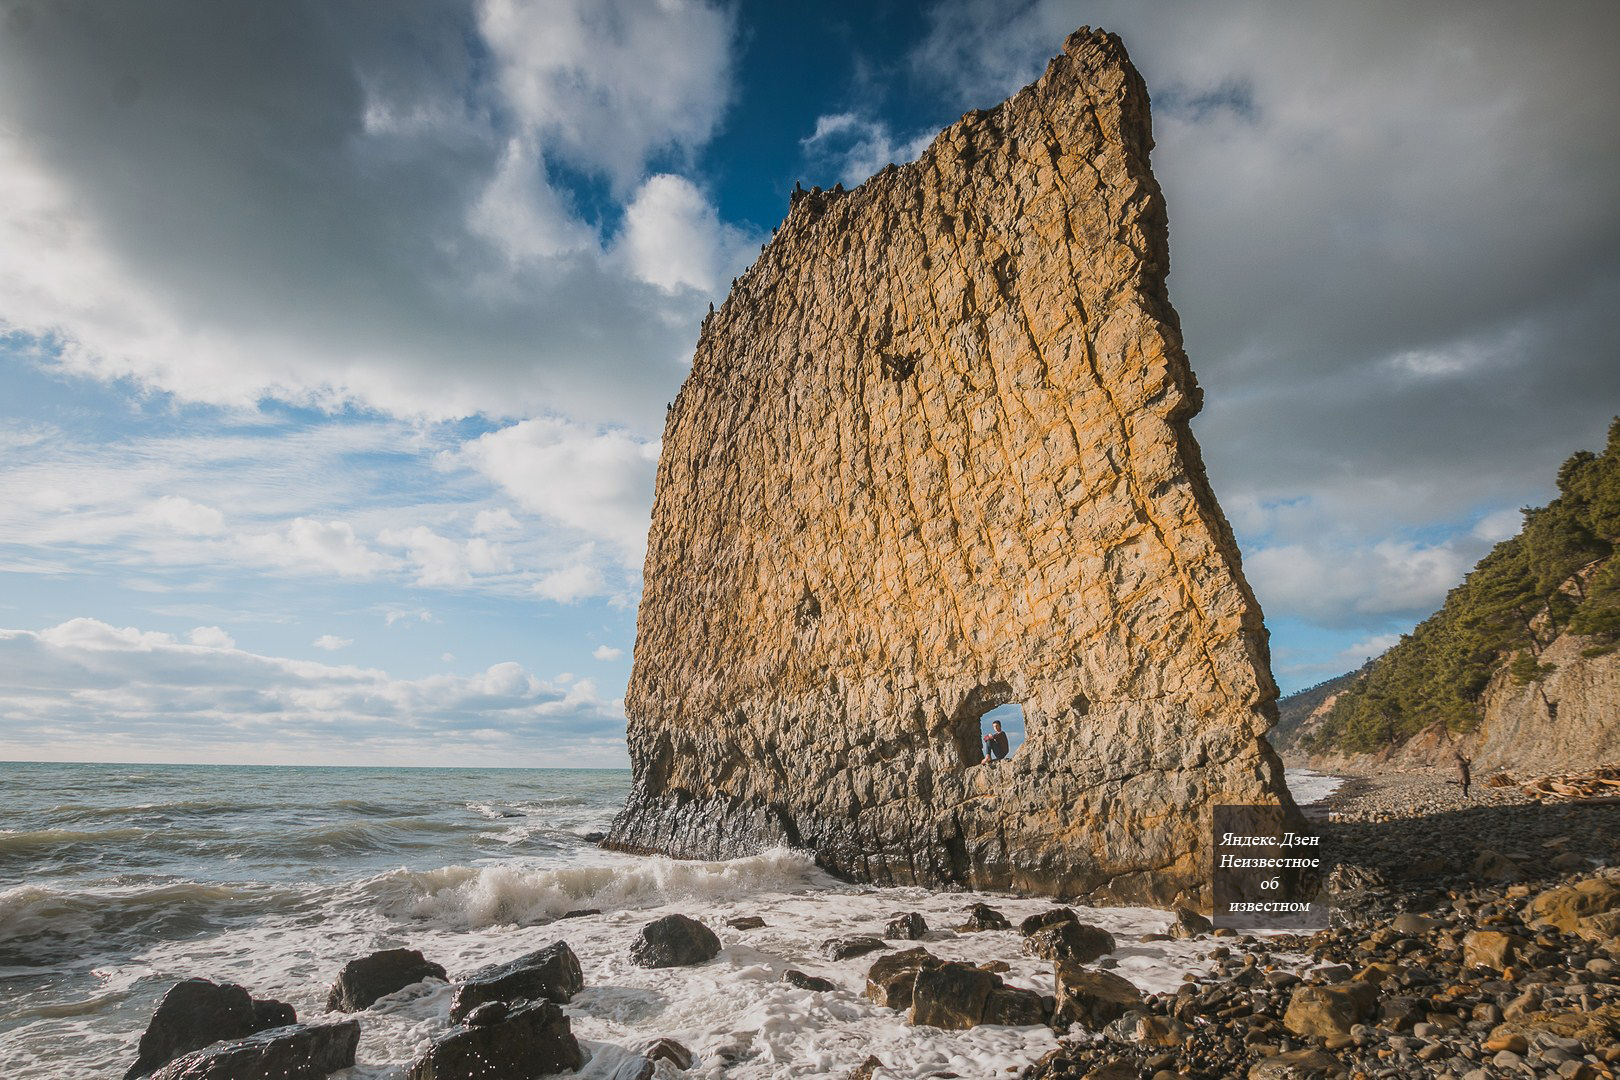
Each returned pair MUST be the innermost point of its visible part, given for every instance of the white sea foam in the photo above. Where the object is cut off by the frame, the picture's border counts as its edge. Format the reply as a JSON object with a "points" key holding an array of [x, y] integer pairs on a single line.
{"points": [[94, 950], [1309, 786], [508, 893], [734, 1012]]}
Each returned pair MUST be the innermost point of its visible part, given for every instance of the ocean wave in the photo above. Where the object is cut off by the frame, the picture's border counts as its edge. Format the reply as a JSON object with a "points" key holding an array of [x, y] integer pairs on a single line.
{"points": [[180, 808], [55, 840], [41, 924], [350, 838], [465, 897], [366, 808]]}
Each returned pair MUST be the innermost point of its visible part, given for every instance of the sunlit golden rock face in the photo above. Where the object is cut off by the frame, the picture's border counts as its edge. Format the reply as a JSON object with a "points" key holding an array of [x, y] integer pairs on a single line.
{"points": [[933, 457]]}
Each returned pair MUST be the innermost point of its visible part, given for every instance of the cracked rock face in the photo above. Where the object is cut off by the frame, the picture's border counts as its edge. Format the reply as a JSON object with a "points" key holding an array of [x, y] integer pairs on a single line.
{"points": [[932, 458]]}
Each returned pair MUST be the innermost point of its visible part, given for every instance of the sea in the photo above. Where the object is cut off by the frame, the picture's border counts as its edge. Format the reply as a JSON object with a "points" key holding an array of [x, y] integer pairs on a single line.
{"points": [[116, 881]]}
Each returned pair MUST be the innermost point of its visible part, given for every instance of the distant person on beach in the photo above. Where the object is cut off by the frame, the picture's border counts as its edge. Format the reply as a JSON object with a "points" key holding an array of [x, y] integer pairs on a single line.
{"points": [[995, 743], [1464, 774]]}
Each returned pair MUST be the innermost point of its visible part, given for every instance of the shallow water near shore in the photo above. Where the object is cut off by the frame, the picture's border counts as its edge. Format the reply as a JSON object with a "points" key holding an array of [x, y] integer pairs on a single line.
{"points": [[118, 880]]}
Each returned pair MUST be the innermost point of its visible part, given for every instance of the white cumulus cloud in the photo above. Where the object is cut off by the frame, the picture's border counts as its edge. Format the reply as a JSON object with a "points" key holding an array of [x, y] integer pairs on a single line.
{"points": [[571, 584], [211, 637], [598, 482], [673, 238]]}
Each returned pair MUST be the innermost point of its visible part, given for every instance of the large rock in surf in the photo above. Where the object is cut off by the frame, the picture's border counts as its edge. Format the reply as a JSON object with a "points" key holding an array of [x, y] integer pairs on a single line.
{"points": [[300, 1052], [674, 941], [933, 457], [530, 1041], [548, 974], [890, 981], [1070, 940], [363, 981], [1092, 998], [196, 1013]]}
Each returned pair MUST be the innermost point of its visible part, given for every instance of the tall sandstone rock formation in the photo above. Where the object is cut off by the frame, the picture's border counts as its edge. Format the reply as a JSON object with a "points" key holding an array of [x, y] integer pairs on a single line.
{"points": [[932, 458]]}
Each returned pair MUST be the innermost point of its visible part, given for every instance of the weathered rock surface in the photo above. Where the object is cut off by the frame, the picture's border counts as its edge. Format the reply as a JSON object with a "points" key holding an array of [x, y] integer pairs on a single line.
{"points": [[669, 1050], [1047, 918], [1092, 998], [845, 948], [983, 917], [794, 977], [195, 1013], [1330, 1010], [363, 981], [951, 996], [1189, 924], [530, 1041], [300, 1052], [548, 974], [907, 926], [933, 457], [890, 981], [1075, 942], [674, 941], [1570, 906]]}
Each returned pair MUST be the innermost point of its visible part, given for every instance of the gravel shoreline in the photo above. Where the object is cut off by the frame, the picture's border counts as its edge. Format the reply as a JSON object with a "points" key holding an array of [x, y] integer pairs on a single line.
{"points": [[1474, 937]]}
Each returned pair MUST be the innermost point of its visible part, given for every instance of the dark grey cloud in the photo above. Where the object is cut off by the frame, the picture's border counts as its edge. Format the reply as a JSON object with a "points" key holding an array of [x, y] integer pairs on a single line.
{"points": [[325, 201]]}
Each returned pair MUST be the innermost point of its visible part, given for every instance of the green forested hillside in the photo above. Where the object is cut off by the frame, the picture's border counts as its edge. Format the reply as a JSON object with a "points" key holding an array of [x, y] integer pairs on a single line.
{"points": [[1558, 575]]}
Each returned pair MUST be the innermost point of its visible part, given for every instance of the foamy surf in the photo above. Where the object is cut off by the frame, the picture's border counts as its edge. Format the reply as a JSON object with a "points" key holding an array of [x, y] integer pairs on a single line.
{"points": [[1310, 787], [88, 945], [469, 898]]}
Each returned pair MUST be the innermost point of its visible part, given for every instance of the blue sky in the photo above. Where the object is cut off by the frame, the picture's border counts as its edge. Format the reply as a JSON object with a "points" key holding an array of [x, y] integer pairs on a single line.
{"points": [[334, 341]]}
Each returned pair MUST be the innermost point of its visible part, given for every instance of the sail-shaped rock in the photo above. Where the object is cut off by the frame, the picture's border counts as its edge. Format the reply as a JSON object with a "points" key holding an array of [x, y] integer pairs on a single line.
{"points": [[933, 457]]}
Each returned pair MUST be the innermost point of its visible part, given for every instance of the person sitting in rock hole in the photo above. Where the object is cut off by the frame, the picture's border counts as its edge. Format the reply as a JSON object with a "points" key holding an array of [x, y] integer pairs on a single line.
{"points": [[995, 743]]}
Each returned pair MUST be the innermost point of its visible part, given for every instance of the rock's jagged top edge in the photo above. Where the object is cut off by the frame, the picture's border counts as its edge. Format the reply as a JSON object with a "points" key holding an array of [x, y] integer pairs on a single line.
{"points": [[1074, 50]]}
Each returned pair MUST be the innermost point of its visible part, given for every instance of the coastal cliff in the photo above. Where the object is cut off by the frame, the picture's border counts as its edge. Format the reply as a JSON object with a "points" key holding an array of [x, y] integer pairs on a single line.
{"points": [[1567, 719], [932, 458], [1519, 670]]}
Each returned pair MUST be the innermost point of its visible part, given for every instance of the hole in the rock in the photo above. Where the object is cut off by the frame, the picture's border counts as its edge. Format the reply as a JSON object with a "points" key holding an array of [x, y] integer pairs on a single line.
{"points": [[1003, 720]]}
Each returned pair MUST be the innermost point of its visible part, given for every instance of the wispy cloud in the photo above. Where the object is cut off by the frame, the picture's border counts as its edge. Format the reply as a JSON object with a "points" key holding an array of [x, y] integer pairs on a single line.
{"points": [[858, 146]]}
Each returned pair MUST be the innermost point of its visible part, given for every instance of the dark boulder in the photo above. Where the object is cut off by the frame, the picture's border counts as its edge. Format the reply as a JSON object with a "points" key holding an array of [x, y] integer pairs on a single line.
{"points": [[1092, 998], [532, 1040], [747, 922], [847, 947], [889, 982], [300, 1052], [196, 1013], [668, 1050], [363, 981], [1047, 918], [909, 926], [273, 1014], [490, 1012], [674, 941], [1015, 1007], [808, 982], [548, 974], [1072, 941], [951, 996], [1189, 924], [984, 917]]}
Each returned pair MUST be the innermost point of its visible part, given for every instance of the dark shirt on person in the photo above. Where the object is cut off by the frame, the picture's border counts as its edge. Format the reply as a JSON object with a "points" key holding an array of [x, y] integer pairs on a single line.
{"points": [[995, 744]]}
